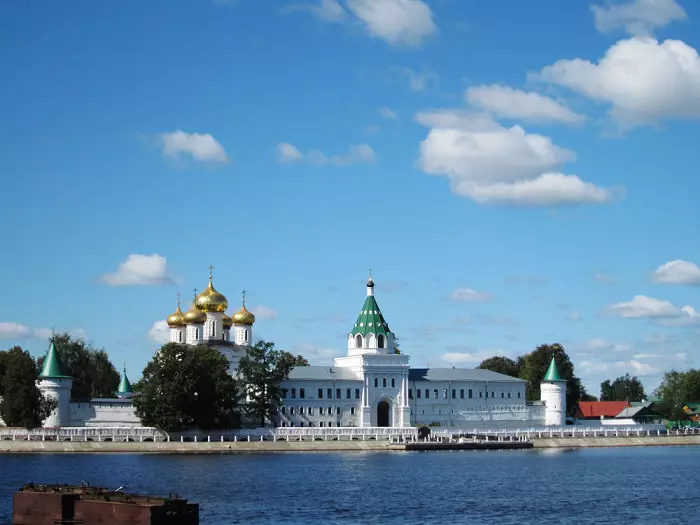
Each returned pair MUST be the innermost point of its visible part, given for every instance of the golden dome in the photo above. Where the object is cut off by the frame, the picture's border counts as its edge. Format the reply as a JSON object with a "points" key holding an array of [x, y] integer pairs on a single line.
{"points": [[243, 316], [177, 318], [227, 322], [210, 300], [194, 315]]}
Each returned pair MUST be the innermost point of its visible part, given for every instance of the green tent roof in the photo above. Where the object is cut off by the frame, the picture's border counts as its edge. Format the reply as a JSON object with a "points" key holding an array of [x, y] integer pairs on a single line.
{"points": [[124, 385], [51, 367], [370, 320], [552, 372]]}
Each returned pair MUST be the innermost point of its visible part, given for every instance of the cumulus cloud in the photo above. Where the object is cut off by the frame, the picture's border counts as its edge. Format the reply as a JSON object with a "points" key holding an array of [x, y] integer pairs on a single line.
{"points": [[13, 330], [386, 112], [316, 355], [677, 272], [159, 332], [357, 154], [605, 345], [493, 164], [140, 270], [467, 294], [263, 312], [200, 146], [512, 103], [664, 312], [638, 17], [643, 80], [471, 358]]}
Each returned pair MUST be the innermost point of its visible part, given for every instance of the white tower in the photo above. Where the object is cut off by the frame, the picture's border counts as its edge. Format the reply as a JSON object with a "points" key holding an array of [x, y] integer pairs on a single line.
{"points": [[214, 304], [553, 393], [243, 321], [53, 384]]}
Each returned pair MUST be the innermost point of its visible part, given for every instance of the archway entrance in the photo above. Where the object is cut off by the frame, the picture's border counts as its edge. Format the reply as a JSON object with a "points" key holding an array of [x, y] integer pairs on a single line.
{"points": [[383, 414]]}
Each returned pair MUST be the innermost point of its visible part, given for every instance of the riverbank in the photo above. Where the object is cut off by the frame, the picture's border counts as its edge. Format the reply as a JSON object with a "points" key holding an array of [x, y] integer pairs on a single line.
{"points": [[75, 447]]}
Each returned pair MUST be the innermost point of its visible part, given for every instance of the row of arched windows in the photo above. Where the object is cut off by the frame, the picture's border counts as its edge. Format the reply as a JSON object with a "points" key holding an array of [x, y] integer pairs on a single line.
{"points": [[359, 342]]}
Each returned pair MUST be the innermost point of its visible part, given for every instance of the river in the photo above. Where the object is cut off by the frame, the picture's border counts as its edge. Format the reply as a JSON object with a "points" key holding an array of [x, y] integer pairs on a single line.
{"points": [[641, 485]]}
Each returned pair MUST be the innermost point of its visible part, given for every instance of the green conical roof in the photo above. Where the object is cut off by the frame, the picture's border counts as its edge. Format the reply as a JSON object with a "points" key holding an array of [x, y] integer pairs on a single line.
{"points": [[51, 367], [370, 320], [124, 385], [552, 372]]}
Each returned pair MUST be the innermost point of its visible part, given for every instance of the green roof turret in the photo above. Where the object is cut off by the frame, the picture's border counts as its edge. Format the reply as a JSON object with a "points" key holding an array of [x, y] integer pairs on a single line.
{"points": [[51, 368], [370, 319], [124, 389], [552, 372]]}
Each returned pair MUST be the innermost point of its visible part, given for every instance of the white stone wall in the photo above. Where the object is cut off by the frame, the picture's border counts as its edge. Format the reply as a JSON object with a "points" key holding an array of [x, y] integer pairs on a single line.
{"points": [[102, 413], [313, 410], [58, 389]]}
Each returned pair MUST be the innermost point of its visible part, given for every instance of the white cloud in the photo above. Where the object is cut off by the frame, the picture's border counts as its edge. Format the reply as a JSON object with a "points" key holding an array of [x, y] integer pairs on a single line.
{"points": [[316, 355], [677, 272], [604, 345], [472, 358], [159, 332], [638, 17], [326, 10], [140, 270], [512, 103], [643, 80], [357, 154], [492, 164], [467, 294], [603, 278], [12, 330], [616, 368], [263, 312], [201, 146], [420, 80], [664, 312], [386, 112], [397, 22]]}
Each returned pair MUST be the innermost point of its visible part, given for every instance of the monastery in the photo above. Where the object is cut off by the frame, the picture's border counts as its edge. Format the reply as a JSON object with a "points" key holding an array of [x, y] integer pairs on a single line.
{"points": [[372, 386]]}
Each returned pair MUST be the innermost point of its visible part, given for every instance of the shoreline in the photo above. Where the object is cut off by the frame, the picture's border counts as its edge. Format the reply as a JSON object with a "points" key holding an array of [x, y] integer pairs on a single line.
{"points": [[257, 447]]}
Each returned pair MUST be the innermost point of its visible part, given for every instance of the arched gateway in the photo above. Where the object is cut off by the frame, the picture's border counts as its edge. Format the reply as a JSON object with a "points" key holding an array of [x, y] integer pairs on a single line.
{"points": [[383, 419]]}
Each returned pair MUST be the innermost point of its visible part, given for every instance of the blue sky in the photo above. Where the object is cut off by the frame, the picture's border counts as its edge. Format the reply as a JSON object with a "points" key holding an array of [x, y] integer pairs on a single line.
{"points": [[515, 173]]}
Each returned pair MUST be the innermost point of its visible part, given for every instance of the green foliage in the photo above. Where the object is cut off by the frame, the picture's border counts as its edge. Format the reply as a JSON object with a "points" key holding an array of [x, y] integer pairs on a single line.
{"points": [[677, 389], [187, 387], [22, 403], [262, 369], [93, 374], [502, 365], [624, 388]]}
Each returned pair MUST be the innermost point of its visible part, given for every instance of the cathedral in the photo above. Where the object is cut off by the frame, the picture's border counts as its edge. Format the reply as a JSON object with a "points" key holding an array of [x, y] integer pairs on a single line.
{"points": [[372, 386]]}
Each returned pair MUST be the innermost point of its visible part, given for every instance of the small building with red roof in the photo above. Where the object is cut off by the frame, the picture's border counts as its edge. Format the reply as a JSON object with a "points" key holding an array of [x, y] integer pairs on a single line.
{"points": [[600, 409]]}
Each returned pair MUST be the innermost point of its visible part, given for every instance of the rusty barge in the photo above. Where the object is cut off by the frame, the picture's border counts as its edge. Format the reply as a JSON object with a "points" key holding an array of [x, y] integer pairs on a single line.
{"points": [[83, 504]]}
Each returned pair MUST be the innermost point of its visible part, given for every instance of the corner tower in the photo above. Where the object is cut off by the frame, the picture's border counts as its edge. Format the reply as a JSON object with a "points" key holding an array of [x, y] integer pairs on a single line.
{"points": [[553, 393], [54, 384], [371, 333]]}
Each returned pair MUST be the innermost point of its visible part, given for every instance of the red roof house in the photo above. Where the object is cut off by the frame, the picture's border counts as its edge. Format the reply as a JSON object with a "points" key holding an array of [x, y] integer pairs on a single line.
{"points": [[598, 409]]}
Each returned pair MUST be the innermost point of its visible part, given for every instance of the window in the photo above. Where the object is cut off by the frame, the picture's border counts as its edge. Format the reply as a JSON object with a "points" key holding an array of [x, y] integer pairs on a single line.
{"points": [[212, 328], [503, 394], [283, 410], [320, 393], [518, 395], [508, 395], [338, 424], [294, 393], [418, 393], [285, 392], [427, 393], [301, 411], [320, 424], [410, 393], [357, 393], [179, 337], [302, 393], [376, 382], [435, 393], [301, 424], [352, 411], [330, 411], [320, 411], [291, 411], [384, 382], [454, 394], [196, 333], [337, 410], [329, 391], [493, 394], [481, 394], [337, 393], [461, 393], [245, 335], [470, 393], [358, 341], [444, 394], [393, 383], [347, 393], [380, 341], [311, 411]]}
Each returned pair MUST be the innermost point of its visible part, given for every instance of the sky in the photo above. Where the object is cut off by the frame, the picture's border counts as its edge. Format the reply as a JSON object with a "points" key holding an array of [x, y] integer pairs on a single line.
{"points": [[514, 173]]}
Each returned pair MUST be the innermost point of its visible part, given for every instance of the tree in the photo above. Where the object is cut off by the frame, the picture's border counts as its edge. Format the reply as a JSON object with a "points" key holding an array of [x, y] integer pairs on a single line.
{"points": [[677, 389], [533, 367], [22, 404], [624, 388], [92, 372], [187, 387], [262, 369], [502, 365]]}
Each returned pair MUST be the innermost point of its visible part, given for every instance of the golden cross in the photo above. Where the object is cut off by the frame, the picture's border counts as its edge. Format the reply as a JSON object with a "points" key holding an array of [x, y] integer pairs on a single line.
{"points": [[178, 299], [211, 269], [195, 293], [243, 292]]}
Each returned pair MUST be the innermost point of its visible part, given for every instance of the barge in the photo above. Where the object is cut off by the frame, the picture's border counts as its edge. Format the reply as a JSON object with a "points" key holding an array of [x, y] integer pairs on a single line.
{"points": [[36, 504]]}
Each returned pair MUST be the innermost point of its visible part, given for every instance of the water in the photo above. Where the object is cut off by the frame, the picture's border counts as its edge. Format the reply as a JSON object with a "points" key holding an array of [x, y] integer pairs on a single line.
{"points": [[644, 485]]}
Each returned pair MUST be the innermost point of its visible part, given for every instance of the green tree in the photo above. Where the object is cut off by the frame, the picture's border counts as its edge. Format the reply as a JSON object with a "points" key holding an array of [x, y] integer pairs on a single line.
{"points": [[22, 404], [533, 367], [677, 389], [502, 365], [187, 387], [92, 372], [624, 388], [262, 369]]}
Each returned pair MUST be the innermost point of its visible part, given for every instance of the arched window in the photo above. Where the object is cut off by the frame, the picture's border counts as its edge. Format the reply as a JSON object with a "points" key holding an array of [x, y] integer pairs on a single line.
{"points": [[358, 341], [179, 337], [196, 334], [245, 335], [380, 341], [212, 329]]}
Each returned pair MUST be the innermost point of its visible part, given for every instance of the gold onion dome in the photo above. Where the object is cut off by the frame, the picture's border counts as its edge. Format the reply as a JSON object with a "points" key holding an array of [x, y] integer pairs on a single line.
{"points": [[210, 300], [227, 322], [243, 316], [177, 318], [194, 315]]}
